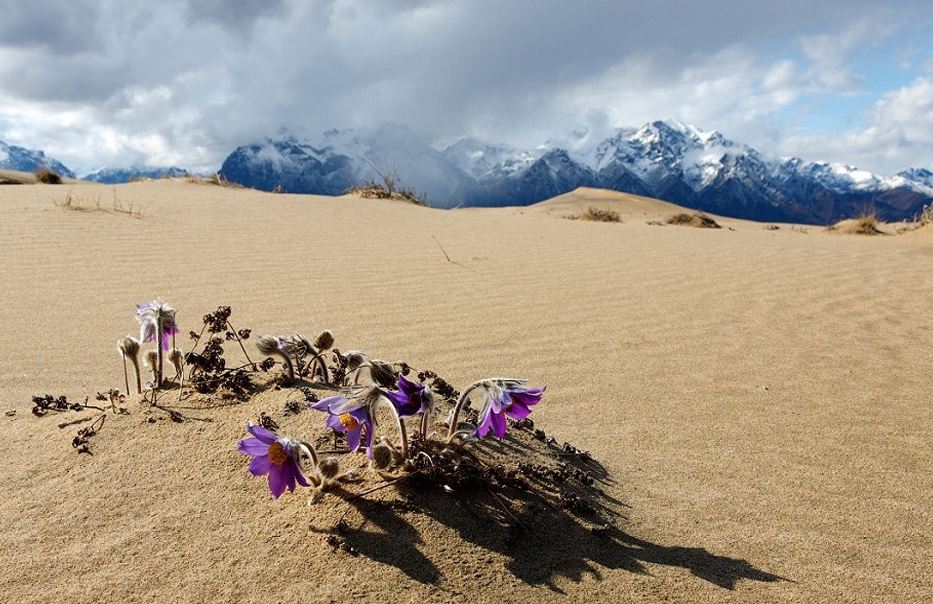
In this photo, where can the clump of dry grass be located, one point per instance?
(866, 224)
(388, 190)
(698, 220)
(594, 214)
(47, 176)
(217, 179)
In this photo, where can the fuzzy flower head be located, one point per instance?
(504, 398)
(411, 398)
(350, 416)
(276, 456)
(156, 317)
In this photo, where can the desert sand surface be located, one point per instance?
(755, 401)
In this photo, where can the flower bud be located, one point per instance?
(383, 456)
(382, 373)
(355, 358)
(324, 340)
(268, 345)
(330, 468)
(128, 346)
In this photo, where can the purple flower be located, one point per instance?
(349, 417)
(503, 399)
(275, 456)
(154, 318)
(411, 398)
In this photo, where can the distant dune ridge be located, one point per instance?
(752, 401)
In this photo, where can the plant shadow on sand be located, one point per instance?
(545, 529)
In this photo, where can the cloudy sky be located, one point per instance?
(184, 83)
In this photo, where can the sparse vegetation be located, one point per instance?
(217, 179)
(86, 204)
(595, 214)
(697, 219)
(47, 176)
(866, 224)
(389, 188)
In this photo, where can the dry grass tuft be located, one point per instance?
(376, 190)
(217, 179)
(594, 214)
(47, 176)
(698, 220)
(866, 224)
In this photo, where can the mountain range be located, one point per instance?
(112, 176)
(668, 160)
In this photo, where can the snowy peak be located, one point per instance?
(27, 160)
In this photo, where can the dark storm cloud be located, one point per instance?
(203, 76)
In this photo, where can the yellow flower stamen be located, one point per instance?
(277, 453)
(349, 422)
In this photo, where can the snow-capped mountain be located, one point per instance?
(27, 160)
(668, 160)
(112, 176)
(341, 159)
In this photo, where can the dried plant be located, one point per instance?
(594, 214)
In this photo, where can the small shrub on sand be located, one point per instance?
(866, 224)
(47, 176)
(217, 179)
(388, 190)
(698, 220)
(594, 214)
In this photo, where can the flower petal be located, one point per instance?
(353, 438)
(260, 465)
(484, 424)
(325, 403)
(278, 480)
(497, 420)
(527, 396)
(518, 410)
(252, 446)
(261, 433)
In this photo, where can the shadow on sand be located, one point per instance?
(540, 541)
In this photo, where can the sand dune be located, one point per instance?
(756, 401)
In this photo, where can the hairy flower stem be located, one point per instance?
(139, 381)
(455, 415)
(126, 375)
(321, 365)
(425, 420)
(158, 376)
(402, 433)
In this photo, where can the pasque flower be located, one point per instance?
(411, 399)
(505, 400)
(502, 397)
(156, 322)
(277, 456)
(349, 417)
